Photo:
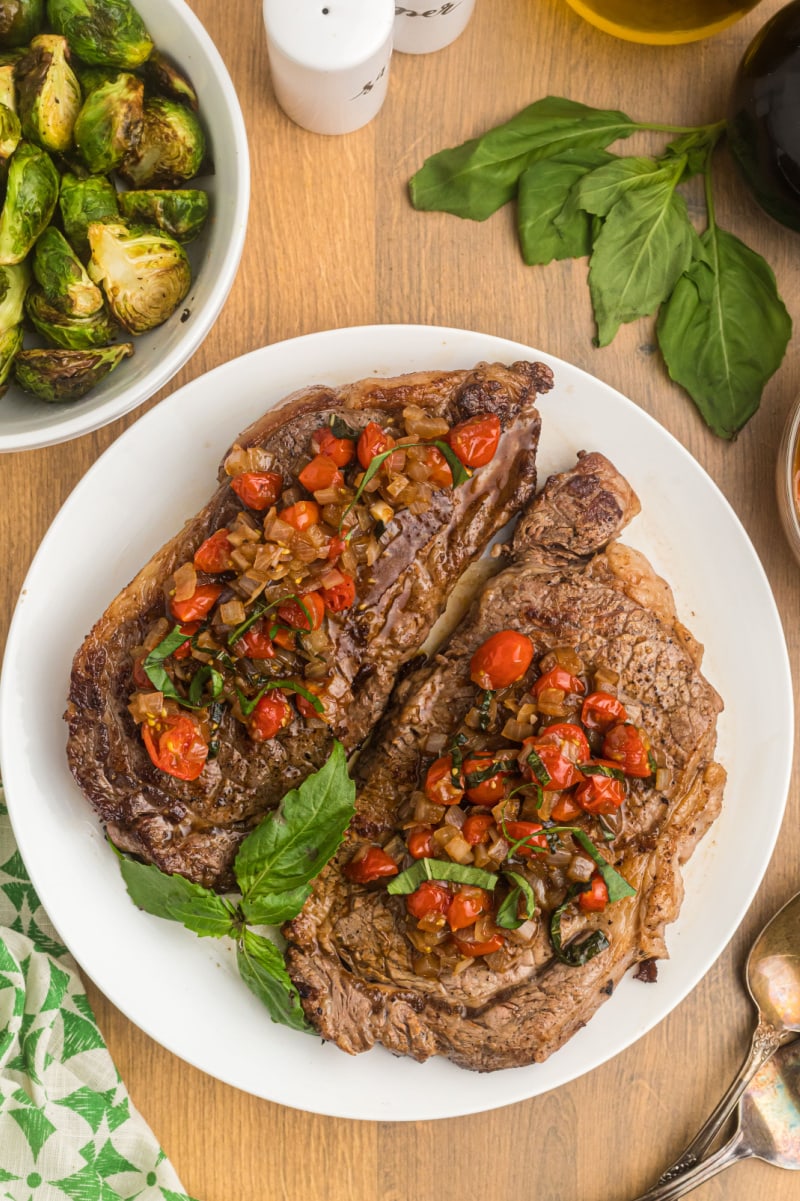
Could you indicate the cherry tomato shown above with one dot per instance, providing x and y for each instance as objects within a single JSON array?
[
  {"x": 185, "y": 649},
  {"x": 297, "y": 617},
  {"x": 489, "y": 791},
  {"x": 527, "y": 830},
  {"x": 467, "y": 906},
  {"x": 560, "y": 770},
  {"x": 199, "y": 604},
  {"x": 440, "y": 785},
  {"x": 475, "y": 440},
  {"x": 558, "y": 677},
  {"x": 370, "y": 863},
  {"x": 270, "y": 715},
  {"x": 566, "y": 808},
  {"x": 474, "y": 948},
  {"x": 341, "y": 595},
  {"x": 214, "y": 554},
  {"x": 570, "y": 740},
  {"x": 321, "y": 472},
  {"x": 341, "y": 450},
  {"x": 630, "y": 747},
  {"x": 430, "y": 897},
  {"x": 420, "y": 843},
  {"x": 285, "y": 638},
  {"x": 301, "y": 515},
  {"x": 441, "y": 475},
  {"x": 304, "y": 707},
  {"x": 595, "y": 898},
  {"x": 258, "y": 489},
  {"x": 335, "y": 547},
  {"x": 600, "y": 794},
  {"x": 256, "y": 643},
  {"x": 476, "y": 828},
  {"x": 373, "y": 441},
  {"x": 176, "y": 746},
  {"x": 601, "y": 710},
  {"x": 501, "y": 660}
]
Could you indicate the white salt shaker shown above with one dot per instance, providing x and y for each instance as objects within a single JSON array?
[
  {"x": 421, "y": 27},
  {"x": 329, "y": 60}
]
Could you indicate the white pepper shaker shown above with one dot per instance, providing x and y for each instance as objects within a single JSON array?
[
  {"x": 421, "y": 27},
  {"x": 329, "y": 60}
]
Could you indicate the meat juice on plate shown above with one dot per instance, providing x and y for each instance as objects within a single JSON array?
[{"x": 662, "y": 21}]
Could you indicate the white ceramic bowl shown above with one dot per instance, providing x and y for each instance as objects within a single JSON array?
[
  {"x": 26, "y": 422},
  {"x": 787, "y": 478}
]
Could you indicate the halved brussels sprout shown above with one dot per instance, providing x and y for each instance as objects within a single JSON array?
[
  {"x": 109, "y": 125},
  {"x": 31, "y": 196},
  {"x": 59, "y": 375},
  {"x": 48, "y": 93},
  {"x": 8, "y": 86},
  {"x": 145, "y": 273},
  {"x": 15, "y": 279},
  {"x": 171, "y": 150},
  {"x": 181, "y": 213},
  {"x": 20, "y": 20},
  {"x": 108, "y": 32},
  {"x": 70, "y": 332},
  {"x": 10, "y": 132},
  {"x": 62, "y": 276},
  {"x": 83, "y": 201},
  {"x": 168, "y": 80},
  {"x": 10, "y": 346}
]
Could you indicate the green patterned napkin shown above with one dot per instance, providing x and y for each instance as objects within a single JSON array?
[{"x": 67, "y": 1126}]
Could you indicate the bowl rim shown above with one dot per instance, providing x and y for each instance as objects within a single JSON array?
[{"x": 785, "y": 472}]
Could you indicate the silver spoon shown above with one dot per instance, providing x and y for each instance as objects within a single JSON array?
[
  {"x": 772, "y": 974},
  {"x": 768, "y": 1128}
]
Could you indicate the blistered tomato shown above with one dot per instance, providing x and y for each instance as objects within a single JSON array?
[
  {"x": 257, "y": 489},
  {"x": 368, "y": 864},
  {"x": 176, "y": 746},
  {"x": 501, "y": 660},
  {"x": 475, "y": 440}
]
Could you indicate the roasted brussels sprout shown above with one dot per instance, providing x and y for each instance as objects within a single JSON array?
[
  {"x": 62, "y": 276},
  {"x": 180, "y": 213},
  {"x": 144, "y": 273},
  {"x": 109, "y": 125},
  {"x": 59, "y": 375},
  {"x": 164, "y": 77},
  {"x": 10, "y": 133},
  {"x": 108, "y": 32},
  {"x": 31, "y": 196},
  {"x": 20, "y": 20},
  {"x": 69, "y": 332},
  {"x": 171, "y": 150},
  {"x": 83, "y": 201},
  {"x": 8, "y": 86},
  {"x": 15, "y": 279},
  {"x": 48, "y": 93},
  {"x": 10, "y": 346}
]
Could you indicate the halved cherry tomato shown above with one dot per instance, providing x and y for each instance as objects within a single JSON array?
[
  {"x": 256, "y": 643},
  {"x": 321, "y": 472},
  {"x": 285, "y": 638},
  {"x": 199, "y": 604},
  {"x": 341, "y": 595},
  {"x": 558, "y": 677},
  {"x": 501, "y": 660},
  {"x": 335, "y": 547},
  {"x": 298, "y": 617},
  {"x": 185, "y": 649},
  {"x": 305, "y": 708},
  {"x": 467, "y": 906},
  {"x": 545, "y": 761},
  {"x": 373, "y": 441},
  {"x": 176, "y": 746},
  {"x": 258, "y": 489},
  {"x": 595, "y": 898},
  {"x": 301, "y": 515},
  {"x": 420, "y": 843},
  {"x": 370, "y": 863},
  {"x": 441, "y": 474},
  {"x": 601, "y": 710},
  {"x": 566, "y": 808},
  {"x": 474, "y": 948},
  {"x": 600, "y": 794},
  {"x": 270, "y": 715},
  {"x": 430, "y": 897},
  {"x": 476, "y": 828},
  {"x": 443, "y": 786},
  {"x": 214, "y": 554},
  {"x": 569, "y": 738},
  {"x": 475, "y": 440},
  {"x": 630, "y": 747},
  {"x": 341, "y": 450},
  {"x": 530, "y": 831},
  {"x": 490, "y": 790}
]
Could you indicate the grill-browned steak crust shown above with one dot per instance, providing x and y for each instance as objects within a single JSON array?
[
  {"x": 567, "y": 583},
  {"x": 194, "y": 828}
]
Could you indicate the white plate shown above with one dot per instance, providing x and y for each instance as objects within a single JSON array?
[{"x": 184, "y": 991}]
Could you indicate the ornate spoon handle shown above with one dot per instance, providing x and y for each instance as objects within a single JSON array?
[{"x": 690, "y": 1179}]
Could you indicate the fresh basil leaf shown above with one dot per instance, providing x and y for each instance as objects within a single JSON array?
[
  {"x": 724, "y": 331},
  {"x": 601, "y": 769},
  {"x": 153, "y": 663},
  {"x": 178, "y": 899},
  {"x": 695, "y": 147},
  {"x": 483, "y": 709},
  {"x": 292, "y": 845},
  {"x": 579, "y": 951},
  {"x": 263, "y": 970},
  {"x": 646, "y": 243},
  {"x": 461, "y": 474},
  {"x": 272, "y": 909},
  {"x": 474, "y": 778},
  {"x": 508, "y": 913},
  {"x": 600, "y": 190},
  {"x": 538, "y": 768},
  {"x": 549, "y": 225},
  {"x": 618, "y": 887},
  {"x": 206, "y": 674},
  {"x": 473, "y": 180},
  {"x": 439, "y": 869}
]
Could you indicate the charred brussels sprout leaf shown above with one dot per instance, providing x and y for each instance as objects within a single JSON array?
[
  {"x": 166, "y": 79},
  {"x": 145, "y": 273},
  {"x": 20, "y": 20},
  {"x": 62, "y": 276},
  {"x": 109, "y": 125},
  {"x": 171, "y": 150},
  {"x": 31, "y": 196},
  {"x": 48, "y": 93},
  {"x": 10, "y": 133},
  {"x": 181, "y": 213},
  {"x": 59, "y": 375},
  {"x": 107, "y": 32},
  {"x": 10, "y": 346},
  {"x": 15, "y": 279},
  {"x": 69, "y": 332},
  {"x": 83, "y": 201}
]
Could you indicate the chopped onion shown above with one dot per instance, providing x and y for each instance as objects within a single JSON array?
[
  {"x": 580, "y": 869},
  {"x": 459, "y": 850},
  {"x": 663, "y": 779},
  {"x": 185, "y": 580},
  {"x": 244, "y": 556},
  {"x": 605, "y": 678},
  {"x": 434, "y": 743},
  {"x": 146, "y": 704},
  {"x": 254, "y": 458},
  {"x": 517, "y": 731},
  {"x": 382, "y": 511},
  {"x": 232, "y": 613},
  {"x": 455, "y": 816},
  {"x": 420, "y": 424},
  {"x": 332, "y": 578},
  {"x": 157, "y": 633}
]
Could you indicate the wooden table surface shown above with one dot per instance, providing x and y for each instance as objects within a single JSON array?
[{"x": 333, "y": 241}]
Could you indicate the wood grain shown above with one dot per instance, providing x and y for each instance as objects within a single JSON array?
[{"x": 333, "y": 241}]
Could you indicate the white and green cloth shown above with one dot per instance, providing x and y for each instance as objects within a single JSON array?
[{"x": 68, "y": 1129}]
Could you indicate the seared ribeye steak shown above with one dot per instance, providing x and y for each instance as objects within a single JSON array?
[
  {"x": 606, "y": 640},
  {"x": 180, "y": 784}
]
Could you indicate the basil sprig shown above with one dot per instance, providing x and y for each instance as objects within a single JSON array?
[{"x": 439, "y": 869}]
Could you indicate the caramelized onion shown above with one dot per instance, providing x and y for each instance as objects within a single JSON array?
[{"x": 185, "y": 581}]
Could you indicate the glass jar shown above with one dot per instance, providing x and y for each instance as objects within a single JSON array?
[{"x": 664, "y": 22}]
